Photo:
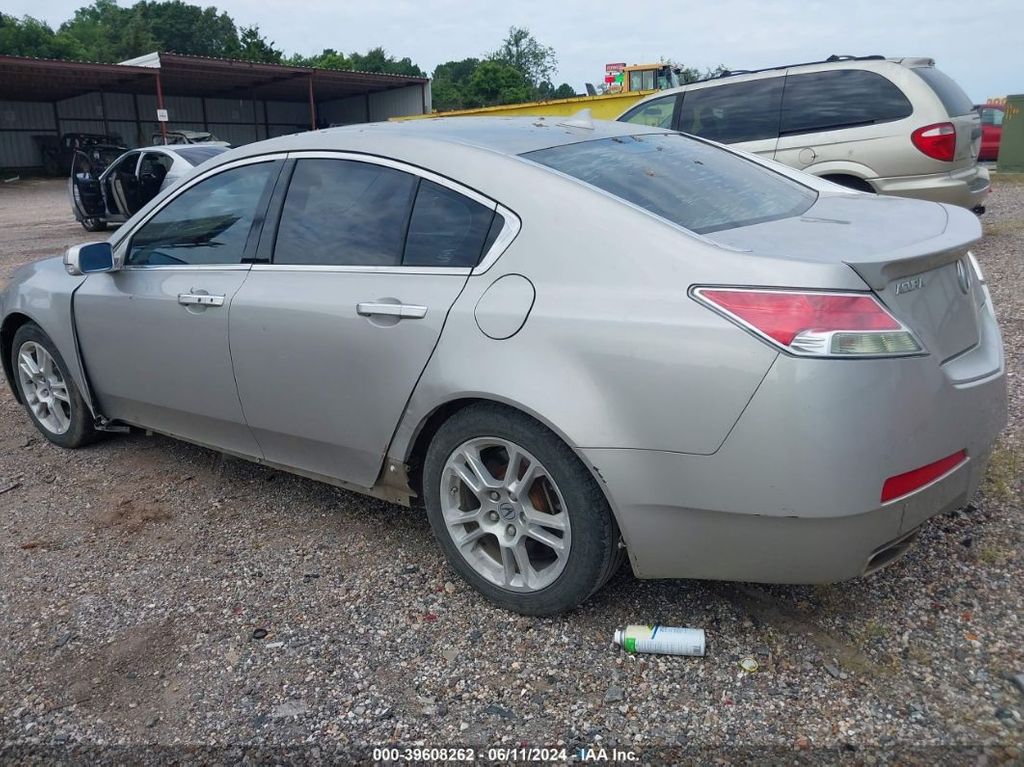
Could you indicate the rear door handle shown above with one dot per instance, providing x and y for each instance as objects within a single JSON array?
[
  {"x": 403, "y": 311},
  {"x": 200, "y": 299}
]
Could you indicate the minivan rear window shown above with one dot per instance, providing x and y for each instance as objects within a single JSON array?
[
  {"x": 690, "y": 183},
  {"x": 950, "y": 94},
  {"x": 840, "y": 98}
]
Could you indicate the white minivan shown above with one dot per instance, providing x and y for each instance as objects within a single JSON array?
[{"x": 891, "y": 126}]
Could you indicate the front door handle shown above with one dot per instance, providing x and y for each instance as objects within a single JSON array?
[
  {"x": 200, "y": 299},
  {"x": 402, "y": 311}
]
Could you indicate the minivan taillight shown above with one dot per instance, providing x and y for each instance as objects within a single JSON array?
[
  {"x": 938, "y": 141},
  {"x": 813, "y": 323}
]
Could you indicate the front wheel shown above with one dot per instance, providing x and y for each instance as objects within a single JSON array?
[
  {"x": 517, "y": 514},
  {"x": 49, "y": 394},
  {"x": 94, "y": 224}
]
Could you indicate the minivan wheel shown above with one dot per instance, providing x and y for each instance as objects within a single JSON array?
[
  {"x": 94, "y": 224},
  {"x": 850, "y": 182},
  {"x": 47, "y": 391},
  {"x": 517, "y": 514}
]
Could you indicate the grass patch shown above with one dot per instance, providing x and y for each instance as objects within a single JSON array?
[
  {"x": 998, "y": 179},
  {"x": 1003, "y": 477}
]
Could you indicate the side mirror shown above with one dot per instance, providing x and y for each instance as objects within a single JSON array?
[{"x": 89, "y": 258}]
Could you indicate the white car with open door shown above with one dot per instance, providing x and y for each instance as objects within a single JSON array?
[{"x": 108, "y": 189}]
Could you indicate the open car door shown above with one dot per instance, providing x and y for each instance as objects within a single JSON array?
[
  {"x": 84, "y": 187},
  {"x": 124, "y": 183}
]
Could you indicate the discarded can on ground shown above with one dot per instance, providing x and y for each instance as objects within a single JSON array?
[{"x": 664, "y": 640}]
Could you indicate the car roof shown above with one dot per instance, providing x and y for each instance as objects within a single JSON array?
[
  {"x": 503, "y": 135},
  {"x": 873, "y": 63}
]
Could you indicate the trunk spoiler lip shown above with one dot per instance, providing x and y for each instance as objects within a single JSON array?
[{"x": 961, "y": 231}]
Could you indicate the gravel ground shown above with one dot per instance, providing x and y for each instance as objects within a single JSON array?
[{"x": 155, "y": 593}]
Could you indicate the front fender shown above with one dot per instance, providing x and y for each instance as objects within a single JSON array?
[{"x": 43, "y": 292}]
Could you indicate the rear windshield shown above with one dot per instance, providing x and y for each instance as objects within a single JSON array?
[
  {"x": 194, "y": 155},
  {"x": 690, "y": 183},
  {"x": 950, "y": 94}
]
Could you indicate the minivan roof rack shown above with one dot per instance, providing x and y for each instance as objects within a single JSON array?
[{"x": 830, "y": 60}]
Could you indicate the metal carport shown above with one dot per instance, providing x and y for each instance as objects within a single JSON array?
[{"x": 240, "y": 101}]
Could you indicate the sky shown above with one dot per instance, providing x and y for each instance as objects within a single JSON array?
[{"x": 980, "y": 43}]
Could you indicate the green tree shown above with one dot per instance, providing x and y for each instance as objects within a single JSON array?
[
  {"x": 450, "y": 86},
  {"x": 253, "y": 46},
  {"x": 564, "y": 91},
  {"x": 326, "y": 59},
  {"x": 98, "y": 30},
  {"x": 521, "y": 51},
  {"x": 31, "y": 37},
  {"x": 183, "y": 28},
  {"x": 495, "y": 82},
  {"x": 378, "y": 60}
]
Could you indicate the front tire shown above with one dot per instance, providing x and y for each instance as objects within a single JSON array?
[
  {"x": 49, "y": 394},
  {"x": 516, "y": 513},
  {"x": 94, "y": 225}
]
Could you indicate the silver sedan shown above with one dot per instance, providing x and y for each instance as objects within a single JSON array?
[
  {"x": 571, "y": 342},
  {"x": 106, "y": 187}
]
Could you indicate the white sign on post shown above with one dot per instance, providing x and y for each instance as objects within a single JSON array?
[{"x": 161, "y": 115}]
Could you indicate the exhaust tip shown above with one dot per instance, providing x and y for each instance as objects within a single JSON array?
[{"x": 890, "y": 552}]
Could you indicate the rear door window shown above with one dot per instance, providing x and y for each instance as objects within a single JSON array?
[
  {"x": 950, "y": 94},
  {"x": 343, "y": 212},
  {"x": 446, "y": 229},
  {"x": 656, "y": 113},
  {"x": 733, "y": 112},
  {"x": 840, "y": 98},
  {"x": 690, "y": 183}
]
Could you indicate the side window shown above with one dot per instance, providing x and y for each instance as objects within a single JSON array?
[
  {"x": 840, "y": 98},
  {"x": 342, "y": 212},
  {"x": 734, "y": 112},
  {"x": 154, "y": 164},
  {"x": 128, "y": 164},
  {"x": 446, "y": 229},
  {"x": 656, "y": 113},
  {"x": 207, "y": 224}
]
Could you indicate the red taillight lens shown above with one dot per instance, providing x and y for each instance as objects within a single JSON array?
[
  {"x": 814, "y": 323},
  {"x": 938, "y": 141},
  {"x": 904, "y": 484}
]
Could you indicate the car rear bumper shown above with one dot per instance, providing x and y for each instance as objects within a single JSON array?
[
  {"x": 794, "y": 493},
  {"x": 967, "y": 187}
]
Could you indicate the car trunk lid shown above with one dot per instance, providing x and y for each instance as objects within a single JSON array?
[{"x": 911, "y": 254}]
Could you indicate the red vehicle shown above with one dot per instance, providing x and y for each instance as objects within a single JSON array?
[{"x": 991, "y": 130}]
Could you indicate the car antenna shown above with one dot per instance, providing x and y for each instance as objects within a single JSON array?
[{"x": 582, "y": 119}]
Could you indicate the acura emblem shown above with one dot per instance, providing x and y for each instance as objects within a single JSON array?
[{"x": 963, "y": 277}]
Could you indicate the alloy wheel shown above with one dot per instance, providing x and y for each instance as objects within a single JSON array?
[
  {"x": 44, "y": 388},
  {"x": 505, "y": 514}
]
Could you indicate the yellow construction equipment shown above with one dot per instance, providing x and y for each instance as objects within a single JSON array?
[{"x": 623, "y": 86}]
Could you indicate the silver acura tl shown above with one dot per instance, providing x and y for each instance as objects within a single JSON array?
[{"x": 572, "y": 342}]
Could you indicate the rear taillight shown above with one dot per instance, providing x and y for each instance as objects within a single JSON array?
[
  {"x": 938, "y": 141},
  {"x": 908, "y": 482},
  {"x": 814, "y": 323}
]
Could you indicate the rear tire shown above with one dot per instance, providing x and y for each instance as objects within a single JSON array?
[
  {"x": 851, "y": 182},
  {"x": 498, "y": 537},
  {"x": 48, "y": 393},
  {"x": 94, "y": 224}
]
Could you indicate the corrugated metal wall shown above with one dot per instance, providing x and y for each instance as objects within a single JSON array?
[
  {"x": 19, "y": 122},
  {"x": 237, "y": 121},
  {"x": 400, "y": 101}
]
